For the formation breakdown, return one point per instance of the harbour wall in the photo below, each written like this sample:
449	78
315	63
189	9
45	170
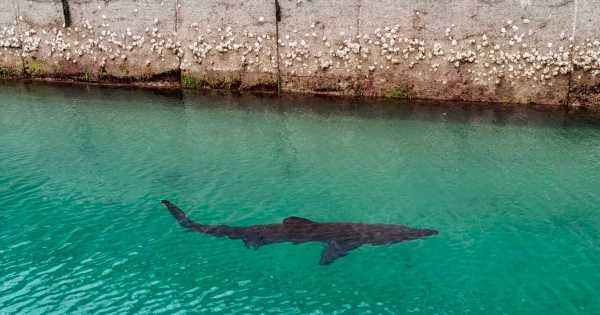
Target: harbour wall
510	51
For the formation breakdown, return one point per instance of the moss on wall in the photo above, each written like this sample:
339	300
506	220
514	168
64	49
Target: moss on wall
6	72
34	68
188	82
403	90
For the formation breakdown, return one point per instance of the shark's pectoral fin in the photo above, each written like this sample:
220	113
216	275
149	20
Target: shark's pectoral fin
336	249
253	242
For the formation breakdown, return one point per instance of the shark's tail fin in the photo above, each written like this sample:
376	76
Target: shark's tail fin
179	215
184	221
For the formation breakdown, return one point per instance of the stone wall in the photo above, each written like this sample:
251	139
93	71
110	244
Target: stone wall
10	45
518	51
228	43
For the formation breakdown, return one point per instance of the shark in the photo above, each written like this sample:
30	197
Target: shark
339	238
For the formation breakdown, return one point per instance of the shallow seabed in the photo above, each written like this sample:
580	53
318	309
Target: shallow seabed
514	193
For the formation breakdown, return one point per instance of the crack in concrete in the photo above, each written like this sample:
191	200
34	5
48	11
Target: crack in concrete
359	4
179	58
277	20
66	12
571	53
175	25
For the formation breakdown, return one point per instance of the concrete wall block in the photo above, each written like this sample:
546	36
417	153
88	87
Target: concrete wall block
319	38
226	39
585	85
45	40
469	49
135	38
10	44
40	13
118	38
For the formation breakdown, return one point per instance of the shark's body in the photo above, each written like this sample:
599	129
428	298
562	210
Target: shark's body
340	238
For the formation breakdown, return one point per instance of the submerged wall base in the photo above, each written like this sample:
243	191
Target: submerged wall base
516	51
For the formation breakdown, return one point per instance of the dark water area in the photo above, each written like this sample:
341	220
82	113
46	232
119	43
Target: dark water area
513	190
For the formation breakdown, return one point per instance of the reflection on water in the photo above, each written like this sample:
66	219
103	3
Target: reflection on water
513	192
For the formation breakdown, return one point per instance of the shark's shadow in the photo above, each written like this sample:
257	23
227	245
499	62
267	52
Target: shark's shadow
339	238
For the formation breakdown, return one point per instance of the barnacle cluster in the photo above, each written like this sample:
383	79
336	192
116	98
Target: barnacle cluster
508	54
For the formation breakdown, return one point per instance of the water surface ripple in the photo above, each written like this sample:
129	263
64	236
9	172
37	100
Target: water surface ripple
514	193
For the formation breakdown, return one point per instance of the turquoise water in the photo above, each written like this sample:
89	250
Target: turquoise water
514	194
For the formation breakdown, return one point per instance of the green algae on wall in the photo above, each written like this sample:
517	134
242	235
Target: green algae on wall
405	91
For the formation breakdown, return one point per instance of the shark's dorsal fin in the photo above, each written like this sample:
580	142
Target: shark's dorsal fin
296	220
